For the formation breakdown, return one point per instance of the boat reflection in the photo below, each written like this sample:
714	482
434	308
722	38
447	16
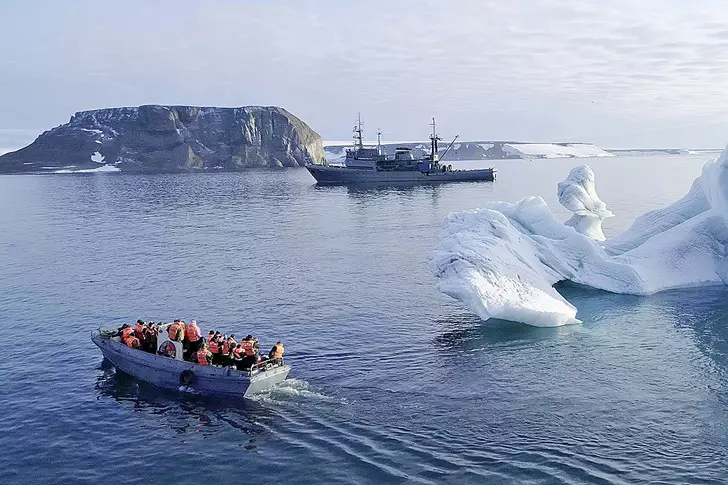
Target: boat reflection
184	412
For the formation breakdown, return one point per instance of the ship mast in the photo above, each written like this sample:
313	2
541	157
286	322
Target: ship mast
358	130
433	141
379	141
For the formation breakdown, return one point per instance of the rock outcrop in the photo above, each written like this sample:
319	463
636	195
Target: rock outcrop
156	138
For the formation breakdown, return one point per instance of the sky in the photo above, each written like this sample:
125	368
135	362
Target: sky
618	73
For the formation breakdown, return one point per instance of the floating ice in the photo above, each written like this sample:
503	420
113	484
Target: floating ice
102	168
502	261
578	194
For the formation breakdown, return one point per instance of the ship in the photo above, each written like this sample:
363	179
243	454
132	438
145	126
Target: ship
371	165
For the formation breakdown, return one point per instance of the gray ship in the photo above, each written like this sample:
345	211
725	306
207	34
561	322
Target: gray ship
370	165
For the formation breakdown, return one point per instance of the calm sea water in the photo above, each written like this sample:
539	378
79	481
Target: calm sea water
392	382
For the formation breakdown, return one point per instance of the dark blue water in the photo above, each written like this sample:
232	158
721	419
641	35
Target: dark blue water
392	382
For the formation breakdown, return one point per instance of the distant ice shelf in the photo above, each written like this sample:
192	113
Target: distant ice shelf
503	260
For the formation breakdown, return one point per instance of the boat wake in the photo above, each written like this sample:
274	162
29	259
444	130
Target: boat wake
503	260
288	390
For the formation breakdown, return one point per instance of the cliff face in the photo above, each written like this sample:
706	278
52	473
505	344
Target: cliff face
170	139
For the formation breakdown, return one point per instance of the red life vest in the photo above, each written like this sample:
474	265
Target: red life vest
226	347
139	330
248	347
214	347
238	352
192	330
202	357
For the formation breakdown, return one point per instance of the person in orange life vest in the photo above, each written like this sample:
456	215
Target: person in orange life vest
276	352
133	342
228	345
214	347
175	332
126	333
210	335
250	346
194	336
139	329
204	357
237	354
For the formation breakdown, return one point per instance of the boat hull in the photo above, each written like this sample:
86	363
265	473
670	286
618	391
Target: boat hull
168	373
327	175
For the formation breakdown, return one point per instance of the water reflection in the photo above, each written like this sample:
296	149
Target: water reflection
183	412
466	332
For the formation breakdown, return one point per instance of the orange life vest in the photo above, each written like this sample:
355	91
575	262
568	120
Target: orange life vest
192	329
126	333
131	341
202	357
226	346
248	347
279	351
214	347
139	330
238	352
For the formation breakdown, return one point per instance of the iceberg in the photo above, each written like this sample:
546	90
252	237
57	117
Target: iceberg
503	260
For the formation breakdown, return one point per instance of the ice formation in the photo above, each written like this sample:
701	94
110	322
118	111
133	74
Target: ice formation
578	194
502	261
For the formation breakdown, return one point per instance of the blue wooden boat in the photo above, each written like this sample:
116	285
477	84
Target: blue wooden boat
175	373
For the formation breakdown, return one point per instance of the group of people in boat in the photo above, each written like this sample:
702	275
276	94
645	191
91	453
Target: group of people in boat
216	349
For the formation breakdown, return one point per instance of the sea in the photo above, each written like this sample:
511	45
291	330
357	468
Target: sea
392	381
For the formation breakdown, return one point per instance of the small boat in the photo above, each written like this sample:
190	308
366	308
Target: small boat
170	371
370	165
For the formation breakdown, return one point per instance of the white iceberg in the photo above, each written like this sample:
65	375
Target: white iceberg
578	194
502	261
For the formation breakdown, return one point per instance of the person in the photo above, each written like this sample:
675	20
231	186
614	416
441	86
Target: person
139	329
204	357
276	352
133	342
174	331
228	345
237	354
126	332
194	336
250	347
149	342
210	335
214	346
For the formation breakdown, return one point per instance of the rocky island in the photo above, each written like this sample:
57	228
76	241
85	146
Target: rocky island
155	138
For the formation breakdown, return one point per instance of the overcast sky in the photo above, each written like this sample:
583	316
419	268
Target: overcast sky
619	73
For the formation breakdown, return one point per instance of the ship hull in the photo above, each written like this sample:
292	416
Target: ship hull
327	175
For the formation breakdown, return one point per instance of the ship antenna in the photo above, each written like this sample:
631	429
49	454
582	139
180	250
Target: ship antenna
433	139
358	130
379	141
